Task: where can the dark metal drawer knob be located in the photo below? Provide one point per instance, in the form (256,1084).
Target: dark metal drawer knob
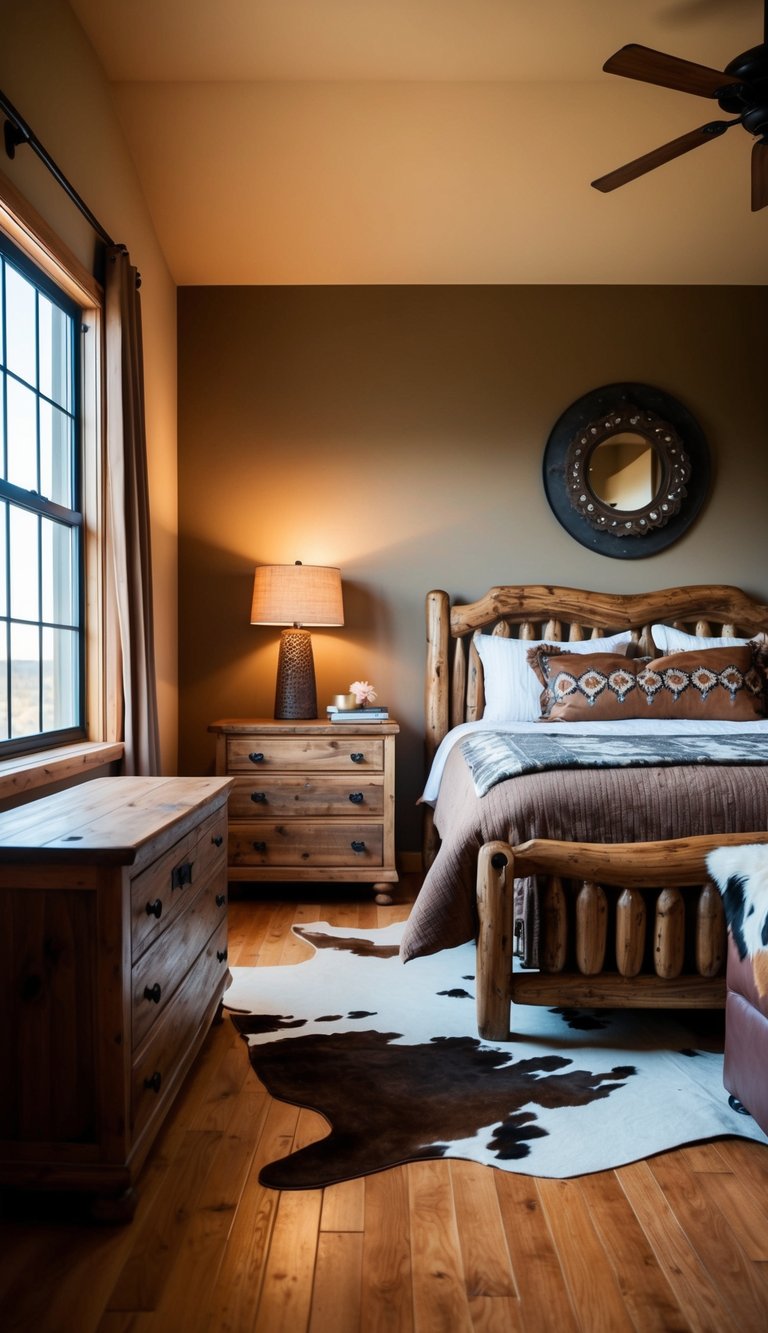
(357,846)
(259,846)
(259,797)
(256,757)
(357,758)
(221,898)
(155,909)
(181,875)
(217,840)
(221,955)
(356,797)
(153,1083)
(153,993)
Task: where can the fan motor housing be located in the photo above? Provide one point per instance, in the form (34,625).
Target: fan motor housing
(751,67)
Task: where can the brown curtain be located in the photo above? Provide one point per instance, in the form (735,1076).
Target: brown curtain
(132,686)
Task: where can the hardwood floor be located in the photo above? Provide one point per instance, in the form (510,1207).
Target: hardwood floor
(677,1242)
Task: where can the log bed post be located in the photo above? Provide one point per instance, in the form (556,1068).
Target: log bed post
(495,901)
(436,700)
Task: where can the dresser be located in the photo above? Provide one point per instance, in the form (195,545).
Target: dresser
(310,800)
(113,963)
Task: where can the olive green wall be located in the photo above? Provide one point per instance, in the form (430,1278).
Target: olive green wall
(398,432)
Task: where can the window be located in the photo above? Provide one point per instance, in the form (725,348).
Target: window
(42,645)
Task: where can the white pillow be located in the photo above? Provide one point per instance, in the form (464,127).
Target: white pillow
(670,640)
(512,690)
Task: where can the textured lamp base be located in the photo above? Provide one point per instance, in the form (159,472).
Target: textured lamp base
(295,693)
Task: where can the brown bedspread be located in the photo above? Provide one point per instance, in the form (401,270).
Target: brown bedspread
(590,805)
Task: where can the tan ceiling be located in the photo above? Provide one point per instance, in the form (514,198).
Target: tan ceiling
(407,141)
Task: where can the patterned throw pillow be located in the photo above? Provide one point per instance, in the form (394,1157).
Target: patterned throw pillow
(713,683)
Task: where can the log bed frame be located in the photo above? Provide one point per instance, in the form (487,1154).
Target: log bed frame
(613,917)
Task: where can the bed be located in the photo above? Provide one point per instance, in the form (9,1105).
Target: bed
(571,868)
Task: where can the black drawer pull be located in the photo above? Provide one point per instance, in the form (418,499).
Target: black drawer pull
(155,909)
(153,1083)
(181,875)
(217,840)
(257,757)
(259,846)
(259,797)
(356,797)
(221,898)
(153,993)
(357,758)
(221,955)
(357,846)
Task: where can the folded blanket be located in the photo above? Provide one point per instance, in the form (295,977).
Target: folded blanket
(494,756)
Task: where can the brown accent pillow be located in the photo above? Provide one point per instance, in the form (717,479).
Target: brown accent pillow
(713,683)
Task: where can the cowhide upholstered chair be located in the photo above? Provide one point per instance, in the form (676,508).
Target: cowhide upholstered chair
(741,874)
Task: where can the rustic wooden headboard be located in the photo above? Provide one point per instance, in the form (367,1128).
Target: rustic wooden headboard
(454,674)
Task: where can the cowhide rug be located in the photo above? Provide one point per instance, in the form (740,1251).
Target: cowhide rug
(388,1053)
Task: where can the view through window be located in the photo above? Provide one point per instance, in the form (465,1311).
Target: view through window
(41,584)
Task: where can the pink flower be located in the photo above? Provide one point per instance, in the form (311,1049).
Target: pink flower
(363,692)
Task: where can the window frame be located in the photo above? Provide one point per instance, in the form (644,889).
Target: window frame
(31,501)
(102,745)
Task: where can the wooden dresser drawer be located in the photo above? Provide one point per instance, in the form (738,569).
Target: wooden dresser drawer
(306,843)
(160,891)
(280,798)
(161,968)
(155,1075)
(301,754)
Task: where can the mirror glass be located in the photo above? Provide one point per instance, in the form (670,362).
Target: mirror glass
(625,472)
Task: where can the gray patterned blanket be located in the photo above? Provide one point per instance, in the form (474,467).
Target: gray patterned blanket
(494,756)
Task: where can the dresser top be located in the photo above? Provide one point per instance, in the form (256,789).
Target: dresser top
(233,726)
(108,820)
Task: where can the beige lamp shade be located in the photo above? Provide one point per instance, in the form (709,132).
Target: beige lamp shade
(297,595)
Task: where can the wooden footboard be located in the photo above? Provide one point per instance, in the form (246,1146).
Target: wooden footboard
(630,925)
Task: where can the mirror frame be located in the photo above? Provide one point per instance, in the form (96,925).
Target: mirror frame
(683,454)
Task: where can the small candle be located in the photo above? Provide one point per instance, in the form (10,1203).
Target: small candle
(344,702)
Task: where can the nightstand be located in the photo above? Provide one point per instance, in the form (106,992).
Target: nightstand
(311,801)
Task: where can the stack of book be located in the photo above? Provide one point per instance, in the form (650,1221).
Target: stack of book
(373,713)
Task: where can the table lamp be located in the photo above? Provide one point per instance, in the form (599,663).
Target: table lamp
(296,595)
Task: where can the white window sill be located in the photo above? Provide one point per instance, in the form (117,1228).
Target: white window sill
(29,775)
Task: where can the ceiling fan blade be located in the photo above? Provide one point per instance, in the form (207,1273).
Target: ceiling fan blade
(675,148)
(649,66)
(759,175)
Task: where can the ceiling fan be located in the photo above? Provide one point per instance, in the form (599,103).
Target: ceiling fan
(741,90)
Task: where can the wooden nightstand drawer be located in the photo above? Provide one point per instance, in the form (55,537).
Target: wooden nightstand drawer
(304,843)
(301,754)
(161,891)
(157,974)
(155,1075)
(279,798)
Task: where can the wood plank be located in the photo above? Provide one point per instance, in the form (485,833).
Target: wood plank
(536,1266)
(646,1293)
(286,1293)
(344,1206)
(696,1289)
(336,1291)
(589,1275)
(712,1238)
(484,1251)
(387,1282)
(439,1292)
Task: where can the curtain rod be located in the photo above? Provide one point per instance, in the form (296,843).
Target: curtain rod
(16,132)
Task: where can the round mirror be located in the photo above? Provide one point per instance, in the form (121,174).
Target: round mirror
(626,469)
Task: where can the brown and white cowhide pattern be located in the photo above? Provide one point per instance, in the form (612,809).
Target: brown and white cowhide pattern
(741,874)
(388,1053)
